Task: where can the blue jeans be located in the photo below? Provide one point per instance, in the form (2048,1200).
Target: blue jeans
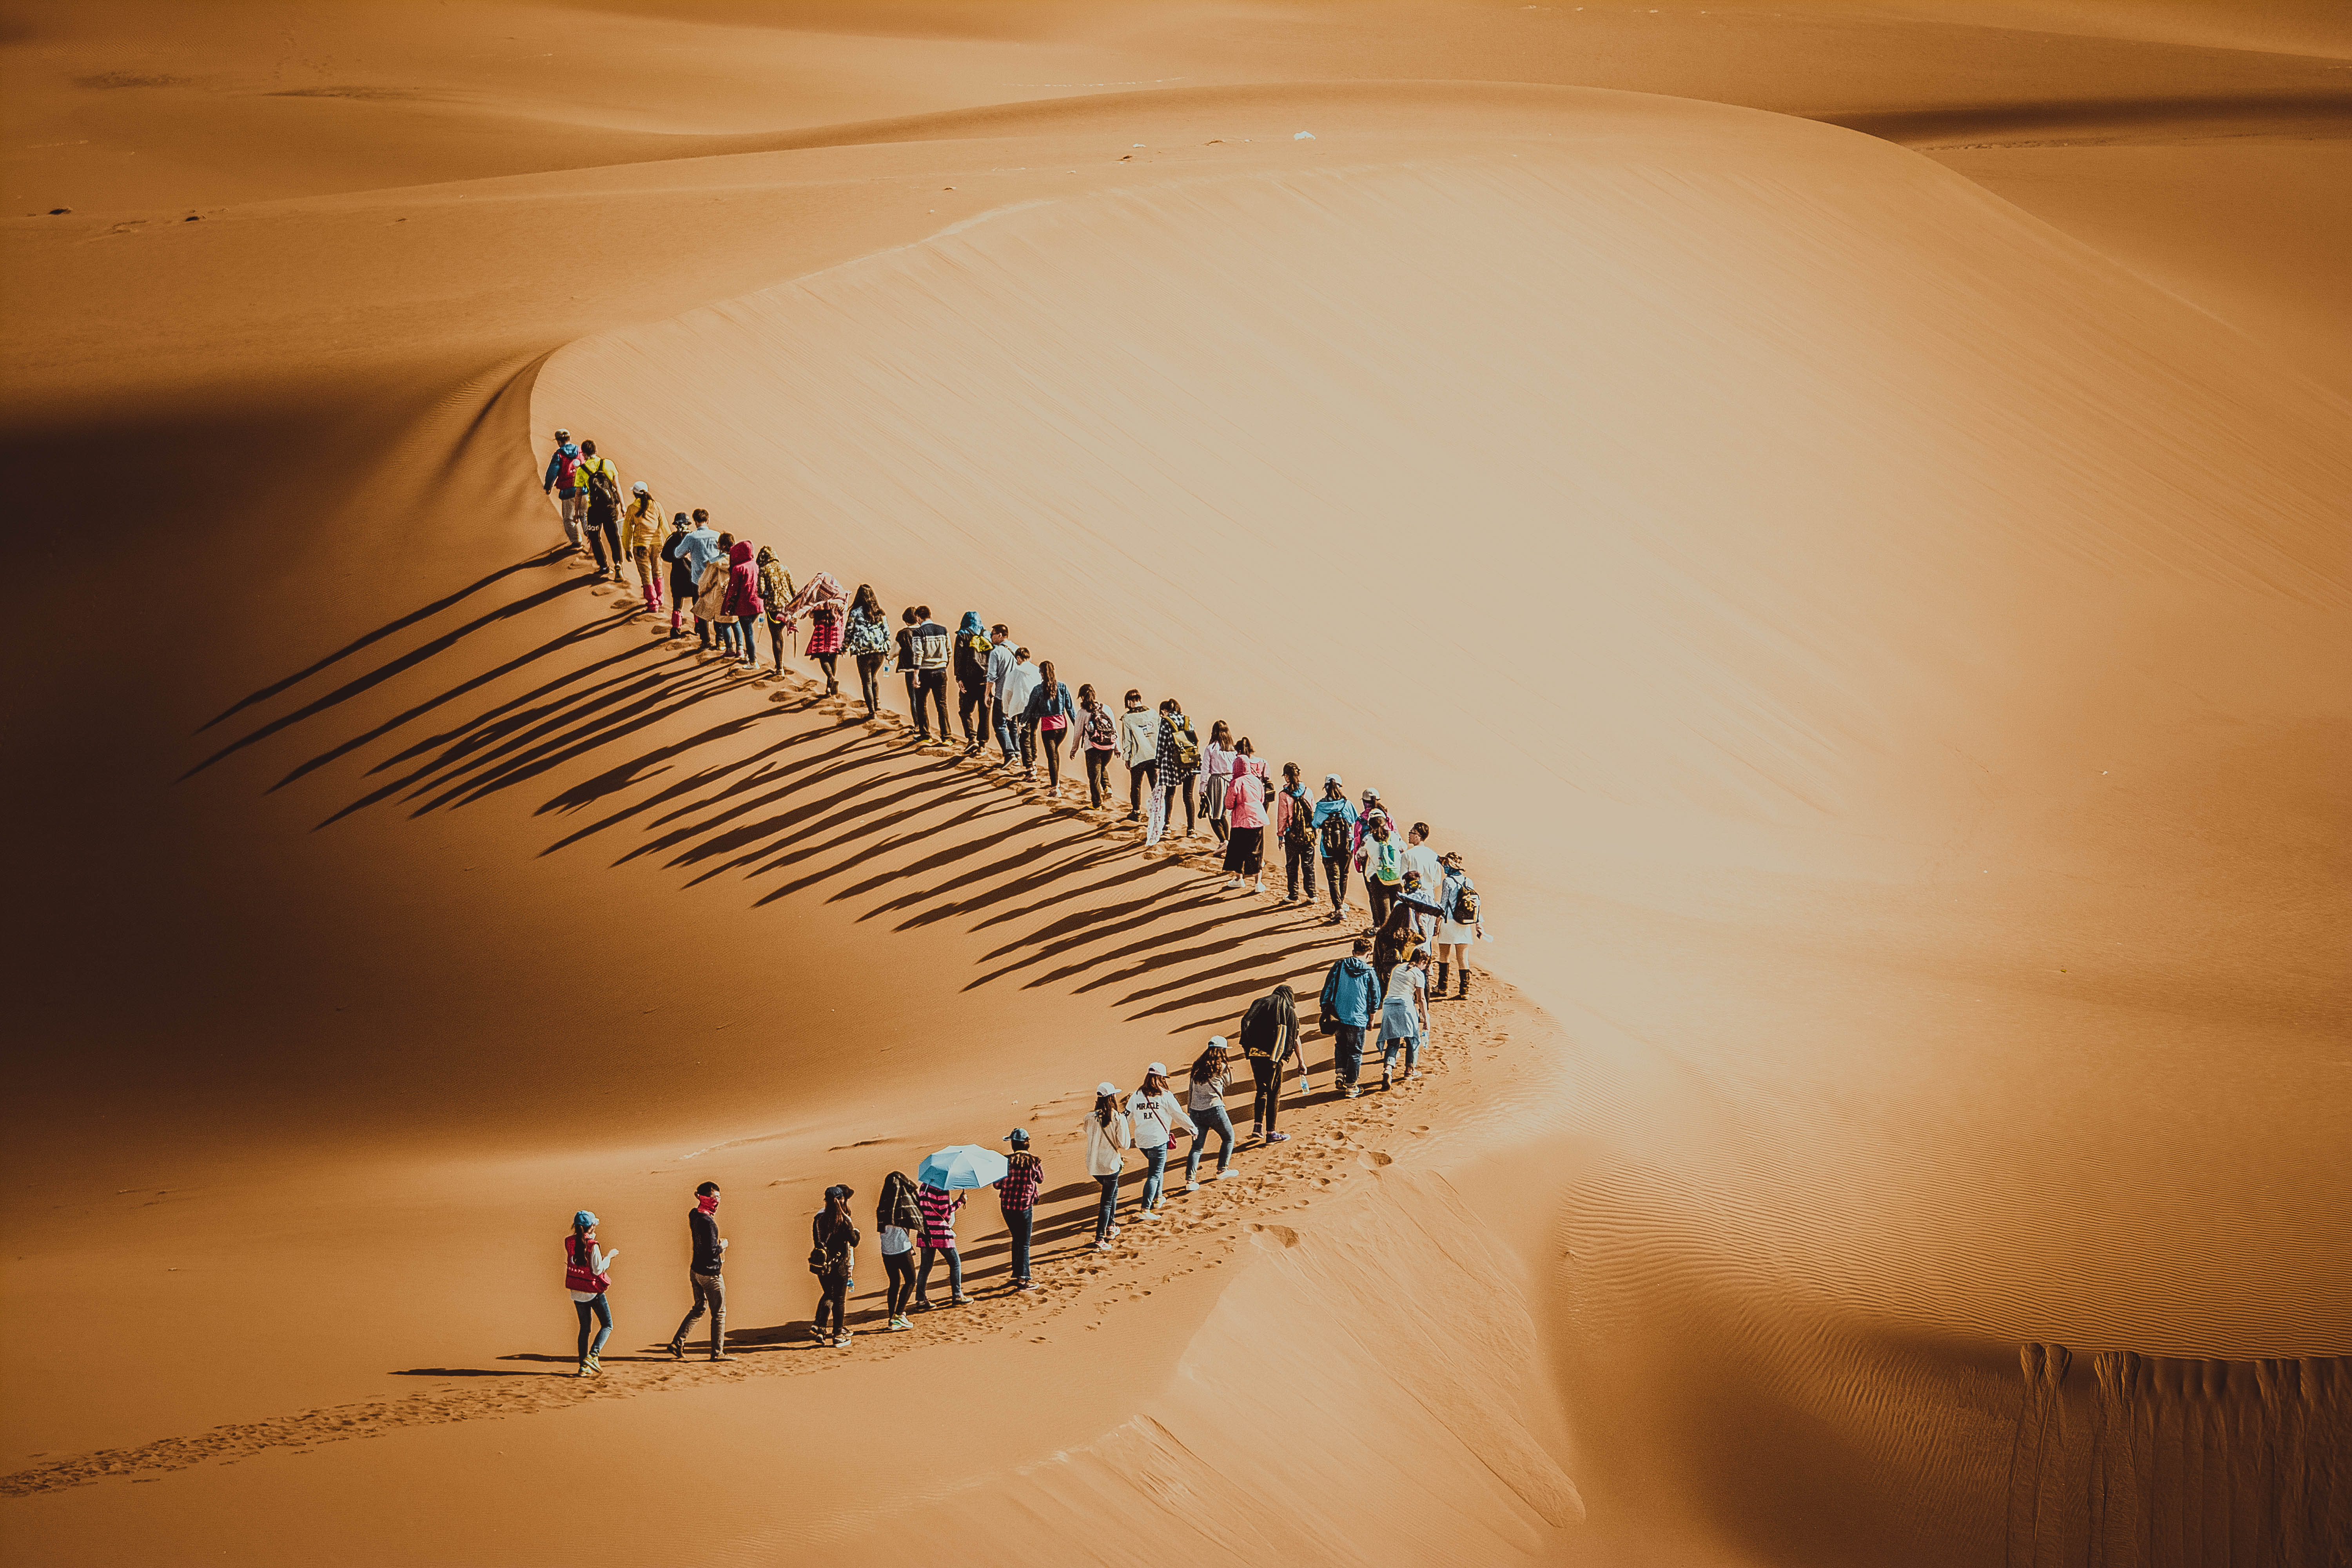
(1213,1120)
(1020,1222)
(1008,735)
(1407,1045)
(602,1310)
(923,1275)
(1155,1167)
(1109,1206)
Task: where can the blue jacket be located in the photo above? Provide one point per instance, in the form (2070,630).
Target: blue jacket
(1326,809)
(1351,993)
(555,464)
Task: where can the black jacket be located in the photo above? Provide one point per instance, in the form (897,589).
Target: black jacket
(705,1228)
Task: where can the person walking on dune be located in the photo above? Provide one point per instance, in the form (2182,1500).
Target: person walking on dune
(1383,862)
(1404,1017)
(939,1237)
(696,552)
(827,607)
(775,593)
(1269,1037)
(1459,926)
(644,534)
(1294,829)
(562,481)
(1017,1194)
(898,1220)
(1000,664)
(1395,942)
(1423,875)
(1351,994)
(588,1276)
(866,638)
(1139,748)
(833,1258)
(1204,1097)
(675,556)
(1216,771)
(972,650)
(1097,731)
(600,482)
(1245,812)
(903,655)
(711,598)
(743,601)
(1046,723)
(1178,749)
(929,655)
(1154,1115)
(1013,686)
(710,1254)
(1109,1137)
(1335,833)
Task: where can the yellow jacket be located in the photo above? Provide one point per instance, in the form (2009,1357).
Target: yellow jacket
(646,529)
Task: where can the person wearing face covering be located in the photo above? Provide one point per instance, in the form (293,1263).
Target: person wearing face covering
(709,1250)
(563,482)
(831,1258)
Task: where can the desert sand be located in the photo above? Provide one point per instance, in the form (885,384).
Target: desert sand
(1838,515)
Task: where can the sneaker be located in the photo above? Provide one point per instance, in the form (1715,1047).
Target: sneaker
(1146,1214)
(1233,884)
(922,1306)
(1114,1230)
(1259,886)
(723,1355)
(594,1364)
(583,1371)
(841,1341)
(1350,1092)
(1099,1247)
(958,1300)
(677,1351)
(1192,1186)
(1336,920)
(1026,1285)
(1258,1131)
(1227,1175)
(1277,1137)
(1384,1081)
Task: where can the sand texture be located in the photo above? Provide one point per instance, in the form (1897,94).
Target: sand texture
(1838,515)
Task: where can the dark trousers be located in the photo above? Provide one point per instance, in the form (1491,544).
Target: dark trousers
(1268,1075)
(1103,1215)
(1335,873)
(900,1267)
(1137,777)
(1034,740)
(776,640)
(955,1272)
(1020,1223)
(835,1302)
(603,536)
(1380,895)
(1098,776)
(710,1292)
(599,1311)
(1191,805)
(1297,863)
(1245,850)
(869,681)
(928,686)
(824,662)
(703,631)
(1346,1052)
(972,701)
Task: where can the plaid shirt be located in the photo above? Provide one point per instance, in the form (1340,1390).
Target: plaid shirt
(1018,1189)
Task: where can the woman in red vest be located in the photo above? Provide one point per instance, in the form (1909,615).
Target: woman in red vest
(587,1274)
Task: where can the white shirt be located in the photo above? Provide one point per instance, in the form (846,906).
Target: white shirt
(895,1240)
(1012,690)
(1152,1114)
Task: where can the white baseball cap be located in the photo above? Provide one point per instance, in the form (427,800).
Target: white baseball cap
(640,488)
(1332,778)
(1160,1067)
(1106,1089)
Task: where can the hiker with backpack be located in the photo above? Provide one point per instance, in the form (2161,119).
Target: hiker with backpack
(866,637)
(1382,859)
(1044,722)
(927,673)
(1107,1136)
(904,658)
(1351,994)
(588,1276)
(775,590)
(1139,748)
(742,602)
(1395,942)
(1206,1098)
(1459,926)
(1269,1038)
(681,575)
(1334,824)
(898,1220)
(1423,875)
(600,482)
(1294,829)
(1247,796)
(709,1249)
(1178,749)
(827,608)
(1097,730)
(1217,773)
(562,481)
(972,650)
(643,535)
(833,1258)
(1404,1017)
(711,598)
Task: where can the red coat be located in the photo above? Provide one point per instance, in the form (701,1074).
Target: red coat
(742,585)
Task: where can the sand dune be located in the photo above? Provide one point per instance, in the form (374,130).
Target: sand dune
(1877,650)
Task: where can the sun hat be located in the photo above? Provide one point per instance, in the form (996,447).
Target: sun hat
(1160,1067)
(585,1219)
(1106,1089)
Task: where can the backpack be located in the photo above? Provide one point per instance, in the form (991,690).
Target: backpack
(1337,836)
(1102,729)
(601,481)
(1258,1029)
(1301,830)
(567,469)
(1466,905)
(1188,745)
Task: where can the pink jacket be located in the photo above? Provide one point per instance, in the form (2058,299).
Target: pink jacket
(1246,796)
(742,584)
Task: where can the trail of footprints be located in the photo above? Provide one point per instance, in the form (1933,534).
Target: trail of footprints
(1335,1143)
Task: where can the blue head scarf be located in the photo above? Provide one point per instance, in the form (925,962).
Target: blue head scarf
(971,627)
